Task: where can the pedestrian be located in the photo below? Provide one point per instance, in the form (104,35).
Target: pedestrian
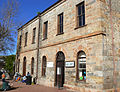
(24,79)
(28,74)
(3,75)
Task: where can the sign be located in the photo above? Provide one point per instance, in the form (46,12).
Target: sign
(49,64)
(70,64)
(58,71)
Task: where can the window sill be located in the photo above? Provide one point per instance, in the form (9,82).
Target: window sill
(25,46)
(81,81)
(79,27)
(43,76)
(60,33)
(44,39)
(33,43)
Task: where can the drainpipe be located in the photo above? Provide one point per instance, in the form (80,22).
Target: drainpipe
(38,46)
(113,51)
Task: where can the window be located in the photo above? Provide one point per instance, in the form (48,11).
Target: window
(45,30)
(34,32)
(44,66)
(32,66)
(81,66)
(80,14)
(60,24)
(26,34)
(18,65)
(20,41)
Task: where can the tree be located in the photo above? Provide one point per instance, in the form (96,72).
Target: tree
(7,25)
(9,64)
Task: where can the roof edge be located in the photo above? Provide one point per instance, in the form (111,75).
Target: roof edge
(39,14)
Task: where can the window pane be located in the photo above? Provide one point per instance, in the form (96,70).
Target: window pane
(46,29)
(81,13)
(83,19)
(80,21)
(79,10)
(60,23)
(81,66)
(83,9)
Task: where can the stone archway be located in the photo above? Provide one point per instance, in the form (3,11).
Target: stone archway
(60,69)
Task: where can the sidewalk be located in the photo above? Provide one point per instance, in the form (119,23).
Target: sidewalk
(21,87)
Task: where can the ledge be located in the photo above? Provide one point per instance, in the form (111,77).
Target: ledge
(80,27)
(60,34)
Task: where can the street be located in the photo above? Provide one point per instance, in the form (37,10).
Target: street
(22,87)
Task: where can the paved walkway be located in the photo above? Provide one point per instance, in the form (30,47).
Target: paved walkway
(21,87)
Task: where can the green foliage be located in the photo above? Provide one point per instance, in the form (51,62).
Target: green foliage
(38,13)
(9,63)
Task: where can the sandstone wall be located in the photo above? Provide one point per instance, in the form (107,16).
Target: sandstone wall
(88,38)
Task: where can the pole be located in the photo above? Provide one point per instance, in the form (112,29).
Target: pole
(38,47)
(112,31)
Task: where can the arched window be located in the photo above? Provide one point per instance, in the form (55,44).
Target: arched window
(32,66)
(44,59)
(81,66)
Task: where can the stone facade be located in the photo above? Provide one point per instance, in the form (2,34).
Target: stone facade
(99,39)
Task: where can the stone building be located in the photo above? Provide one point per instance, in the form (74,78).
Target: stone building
(73,44)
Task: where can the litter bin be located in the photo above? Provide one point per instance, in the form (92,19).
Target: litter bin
(28,80)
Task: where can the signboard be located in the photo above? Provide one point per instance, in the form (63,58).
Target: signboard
(49,64)
(70,64)
(58,71)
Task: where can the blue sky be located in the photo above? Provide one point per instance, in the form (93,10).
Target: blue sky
(28,9)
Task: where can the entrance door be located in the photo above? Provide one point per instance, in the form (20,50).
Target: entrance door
(24,67)
(60,69)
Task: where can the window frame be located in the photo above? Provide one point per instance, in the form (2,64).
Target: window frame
(45,30)
(81,15)
(44,66)
(81,69)
(26,36)
(20,43)
(34,34)
(60,24)
(32,66)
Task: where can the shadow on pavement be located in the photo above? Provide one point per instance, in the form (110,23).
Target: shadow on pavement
(13,88)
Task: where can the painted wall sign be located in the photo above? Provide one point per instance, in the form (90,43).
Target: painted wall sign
(70,64)
(49,64)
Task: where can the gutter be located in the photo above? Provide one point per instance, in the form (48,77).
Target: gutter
(113,50)
(39,15)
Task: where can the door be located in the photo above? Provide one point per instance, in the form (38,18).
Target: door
(60,69)
(24,67)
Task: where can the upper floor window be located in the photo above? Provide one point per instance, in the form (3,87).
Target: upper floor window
(34,32)
(80,14)
(45,30)
(60,23)
(26,35)
(20,42)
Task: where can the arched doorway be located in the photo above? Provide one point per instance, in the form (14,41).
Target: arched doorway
(24,66)
(60,63)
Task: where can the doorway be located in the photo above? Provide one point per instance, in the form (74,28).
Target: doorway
(60,69)
(24,66)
